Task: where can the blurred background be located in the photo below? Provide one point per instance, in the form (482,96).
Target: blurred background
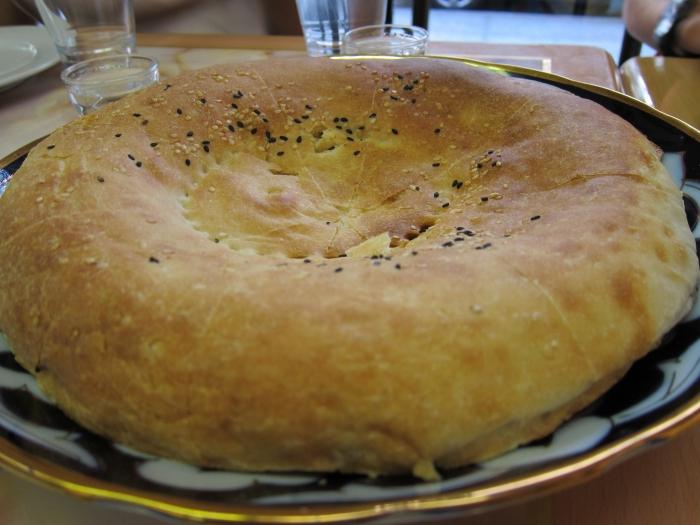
(585,22)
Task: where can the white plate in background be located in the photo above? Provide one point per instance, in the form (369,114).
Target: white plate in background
(24,52)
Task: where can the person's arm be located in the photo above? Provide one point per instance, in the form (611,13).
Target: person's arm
(641,16)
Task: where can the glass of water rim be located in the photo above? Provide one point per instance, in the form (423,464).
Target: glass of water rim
(385,39)
(93,83)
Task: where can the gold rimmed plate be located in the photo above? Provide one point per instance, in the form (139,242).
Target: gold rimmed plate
(658,397)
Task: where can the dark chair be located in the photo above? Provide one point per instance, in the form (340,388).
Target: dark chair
(630,48)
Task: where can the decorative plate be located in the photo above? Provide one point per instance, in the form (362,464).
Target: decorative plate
(659,396)
(24,52)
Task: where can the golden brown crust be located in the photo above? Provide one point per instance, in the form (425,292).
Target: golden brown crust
(169,272)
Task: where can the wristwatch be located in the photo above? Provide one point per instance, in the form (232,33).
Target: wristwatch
(665,29)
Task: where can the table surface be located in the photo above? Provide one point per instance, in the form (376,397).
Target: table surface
(657,486)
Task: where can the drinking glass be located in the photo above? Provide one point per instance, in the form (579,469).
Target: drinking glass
(84,29)
(325,22)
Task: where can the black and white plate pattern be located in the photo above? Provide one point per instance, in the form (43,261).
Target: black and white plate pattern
(656,389)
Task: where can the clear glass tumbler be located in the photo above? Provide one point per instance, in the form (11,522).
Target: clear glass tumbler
(325,22)
(84,29)
(386,40)
(93,83)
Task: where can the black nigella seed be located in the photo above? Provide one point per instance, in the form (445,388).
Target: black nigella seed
(437,131)
(167,87)
(253,131)
(479,165)
(395,131)
(490,152)
(339,127)
(154,144)
(484,246)
(272,140)
(360,128)
(336,120)
(436,164)
(136,114)
(376,263)
(131,156)
(305,117)
(265,120)
(534,217)
(239,124)
(397,266)
(231,128)
(280,153)
(178,111)
(413,101)
(469,233)
(331,148)
(234,105)
(392,97)
(100,178)
(52,146)
(268,134)
(284,138)
(484,199)
(299,139)
(356,152)
(309,107)
(144,122)
(343,119)
(408,87)
(400,77)
(188,162)
(216,240)
(414,252)
(373,115)
(447,244)
(190,133)
(206,148)
(256,111)
(118,135)
(350,139)
(459,228)
(139,164)
(385,89)
(203,100)
(459,184)
(338,270)
(206,142)
(307,261)
(459,239)
(436,194)
(348,131)
(298,121)
(446,205)
(153,260)
(454,183)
